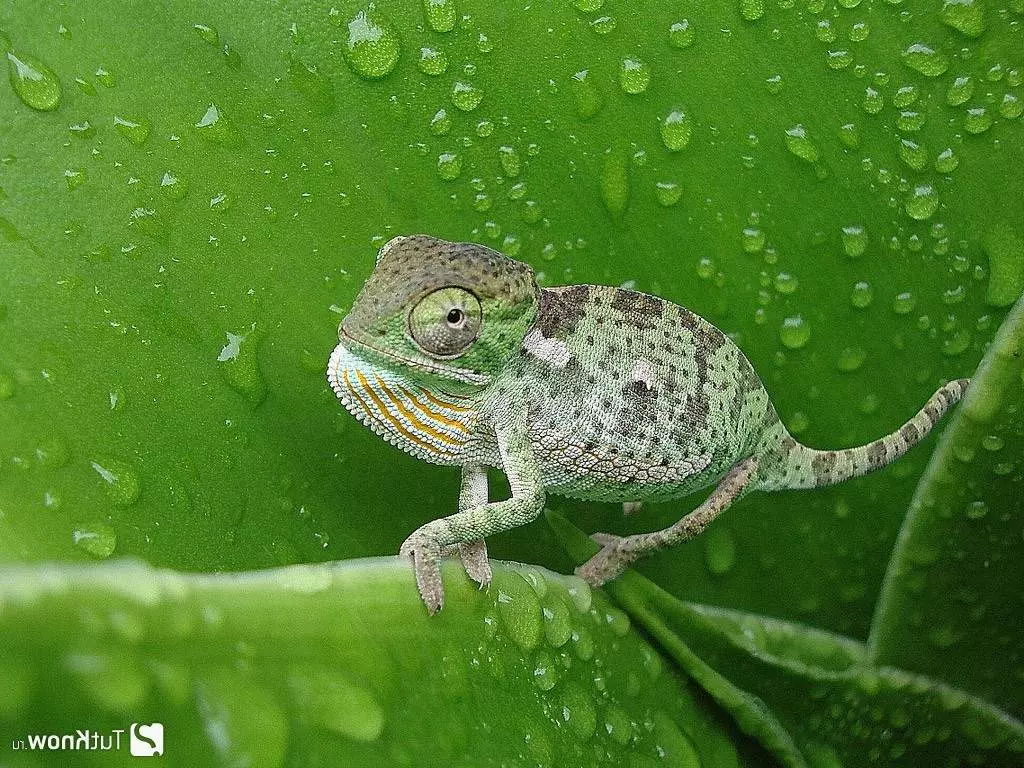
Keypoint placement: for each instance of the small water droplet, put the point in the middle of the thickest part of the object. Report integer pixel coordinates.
(433, 61)
(603, 25)
(978, 120)
(135, 130)
(239, 366)
(372, 47)
(795, 332)
(519, 609)
(849, 135)
(912, 153)
(466, 96)
(850, 359)
(339, 705)
(6, 386)
(752, 10)
(719, 551)
(440, 123)
(172, 186)
(859, 32)
(215, 127)
(315, 87)
(634, 76)
(680, 34)
(947, 161)
(905, 96)
(96, 538)
(207, 33)
(785, 283)
(615, 183)
(74, 178)
(106, 77)
(449, 165)
(83, 130)
(34, 82)
(545, 675)
(925, 59)
(441, 14)
(904, 303)
(960, 91)
(1011, 107)
(667, 193)
(873, 101)
(676, 130)
(120, 481)
(511, 165)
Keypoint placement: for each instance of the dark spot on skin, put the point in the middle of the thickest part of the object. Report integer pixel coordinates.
(932, 412)
(876, 454)
(560, 310)
(823, 464)
(910, 433)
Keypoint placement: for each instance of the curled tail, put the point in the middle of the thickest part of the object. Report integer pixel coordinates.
(797, 466)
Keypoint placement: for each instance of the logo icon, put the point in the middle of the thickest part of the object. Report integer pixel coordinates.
(146, 739)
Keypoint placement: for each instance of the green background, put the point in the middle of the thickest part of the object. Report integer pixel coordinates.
(191, 197)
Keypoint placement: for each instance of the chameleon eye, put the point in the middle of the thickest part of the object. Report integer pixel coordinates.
(445, 323)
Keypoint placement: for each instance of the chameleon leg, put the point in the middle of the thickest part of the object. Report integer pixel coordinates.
(474, 553)
(617, 552)
(471, 525)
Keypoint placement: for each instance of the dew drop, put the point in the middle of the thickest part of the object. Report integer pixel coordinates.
(587, 96)
(913, 154)
(849, 135)
(947, 161)
(511, 164)
(215, 127)
(634, 76)
(910, 120)
(74, 178)
(520, 610)
(433, 61)
(135, 130)
(925, 59)
(34, 82)
(603, 25)
(752, 10)
(800, 144)
(441, 14)
(372, 47)
(795, 332)
(855, 240)
(207, 33)
(960, 91)
(83, 130)
(978, 120)
(680, 34)
(330, 700)
(785, 283)
(676, 130)
(95, 538)
(922, 202)
(850, 359)
(578, 712)
(239, 366)
(315, 87)
(873, 101)
(440, 123)
(120, 481)
(243, 721)
(172, 186)
(965, 16)
(615, 183)
(719, 551)
(905, 96)
(667, 193)
(466, 96)
(904, 303)
(114, 681)
(587, 6)
(449, 165)
(6, 386)
(545, 675)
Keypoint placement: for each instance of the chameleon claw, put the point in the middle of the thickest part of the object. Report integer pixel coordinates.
(425, 555)
(474, 560)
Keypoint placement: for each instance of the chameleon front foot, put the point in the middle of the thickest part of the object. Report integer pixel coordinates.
(617, 552)
(425, 554)
(474, 560)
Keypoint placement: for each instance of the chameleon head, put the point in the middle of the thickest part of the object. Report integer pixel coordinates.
(441, 310)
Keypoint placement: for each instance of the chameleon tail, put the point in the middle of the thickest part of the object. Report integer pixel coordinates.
(803, 467)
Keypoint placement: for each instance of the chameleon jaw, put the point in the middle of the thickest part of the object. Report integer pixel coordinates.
(458, 374)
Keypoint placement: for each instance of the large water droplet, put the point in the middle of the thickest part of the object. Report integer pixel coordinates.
(135, 130)
(329, 700)
(214, 126)
(634, 76)
(959, 91)
(978, 120)
(676, 130)
(800, 144)
(243, 720)
(372, 48)
(34, 82)
(433, 61)
(668, 193)
(752, 10)
(965, 16)
(922, 202)
(615, 183)
(588, 97)
(449, 165)
(96, 538)
(520, 610)
(855, 240)
(925, 59)
(466, 96)
(441, 14)
(511, 165)
(912, 153)
(239, 366)
(795, 332)
(680, 34)
(719, 551)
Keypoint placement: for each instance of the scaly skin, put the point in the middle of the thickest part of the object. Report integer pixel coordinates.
(454, 354)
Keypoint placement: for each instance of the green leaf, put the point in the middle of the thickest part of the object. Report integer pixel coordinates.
(951, 602)
(340, 665)
(813, 698)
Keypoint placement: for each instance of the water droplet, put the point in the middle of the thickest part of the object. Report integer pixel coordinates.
(795, 332)
(676, 130)
(603, 25)
(578, 712)
(774, 84)
(335, 703)
(372, 47)
(433, 61)
(441, 14)
(466, 96)
(34, 82)
(904, 303)
(850, 359)
(859, 32)
(965, 16)
(74, 178)
(519, 609)
(557, 621)
(83, 130)
(315, 87)
(905, 96)
(511, 165)
(221, 202)
(136, 131)
(912, 153)
(824, 31)
(922, 202)
(800, 144)
(215, 127)
(615, 183)
(634, 76)
(947, 161)
(785, 283)
(978, 120)
(1011, 107)
(617, 725)
(440, 123)
(95, 538)
(120, 481)
(106, 77)
(862, 295)
(207, 33)
(752, 10)
(959, 91)
(667, 193)
(873, 101)
(545, 675)
(114, 681)
(925, 59)
(680, 34)
(839, 59)
(172, 186)
(719, 551)
(855, 240)
(588, 98)
(239, 366)
(449, 165)
(243, 721)
(6, 386)
(232, 57)
(849, 135)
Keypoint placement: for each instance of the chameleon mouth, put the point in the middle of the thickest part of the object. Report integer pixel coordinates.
(458, 374)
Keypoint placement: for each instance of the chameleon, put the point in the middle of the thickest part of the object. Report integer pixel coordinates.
(453, 353)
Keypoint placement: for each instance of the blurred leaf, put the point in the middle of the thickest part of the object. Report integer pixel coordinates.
(340, 665)
(951, 606)
(813, 698)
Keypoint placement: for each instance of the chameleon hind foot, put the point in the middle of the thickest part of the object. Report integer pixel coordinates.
(474, 561)
(617, 552)
(425, 554)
